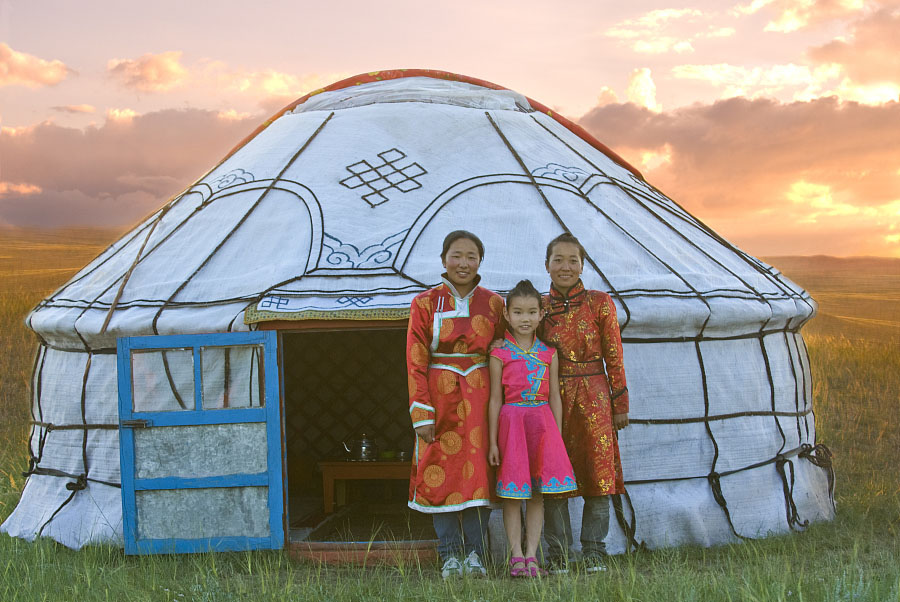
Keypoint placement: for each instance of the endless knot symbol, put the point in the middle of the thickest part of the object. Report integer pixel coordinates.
(276, 302)
(384, 176)
(355, 301)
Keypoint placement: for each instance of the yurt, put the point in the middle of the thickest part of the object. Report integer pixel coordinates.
(195, 385)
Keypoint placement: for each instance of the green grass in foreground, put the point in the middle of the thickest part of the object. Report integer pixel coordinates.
(855, 557)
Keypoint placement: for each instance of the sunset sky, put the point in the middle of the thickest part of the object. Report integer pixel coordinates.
(777, 122)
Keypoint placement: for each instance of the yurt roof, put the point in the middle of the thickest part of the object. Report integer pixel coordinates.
(335, 208)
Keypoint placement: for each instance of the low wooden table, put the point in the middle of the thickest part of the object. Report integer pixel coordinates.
(336, 473)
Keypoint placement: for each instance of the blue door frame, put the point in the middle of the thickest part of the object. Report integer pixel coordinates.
(270, 414)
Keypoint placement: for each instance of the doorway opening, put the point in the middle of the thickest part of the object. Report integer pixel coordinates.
(338, 386)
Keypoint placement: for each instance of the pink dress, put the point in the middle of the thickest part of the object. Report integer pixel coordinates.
(533, 455)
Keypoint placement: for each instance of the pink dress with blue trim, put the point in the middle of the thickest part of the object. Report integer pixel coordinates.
(533, 455)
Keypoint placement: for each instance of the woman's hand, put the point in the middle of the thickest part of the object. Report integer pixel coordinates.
(426, 432)
(620, 421)
(495, 344)
(494, 455)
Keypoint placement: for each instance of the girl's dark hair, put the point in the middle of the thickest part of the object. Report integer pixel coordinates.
(523, 289)
(458, 234)
(565, 237)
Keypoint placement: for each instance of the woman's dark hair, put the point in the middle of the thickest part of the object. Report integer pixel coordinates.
(458, 234)
(565, 237)
(523, 289)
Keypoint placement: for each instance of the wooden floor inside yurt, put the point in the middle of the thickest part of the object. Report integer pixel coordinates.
(340, 386)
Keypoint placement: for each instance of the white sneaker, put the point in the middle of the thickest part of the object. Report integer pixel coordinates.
(452, 568)
(472, 565)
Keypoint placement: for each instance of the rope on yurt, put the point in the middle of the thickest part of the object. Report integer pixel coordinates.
(694, 221)
(787, 345)
(628, 528)
(37, 375)
(172, 386)
(819, 455)
(805, 370)
(47, 301)
(554, 213)
(80, 480)
(713, 477)
(715, 417)
(790, 507)
(237, 226)
(112, 307)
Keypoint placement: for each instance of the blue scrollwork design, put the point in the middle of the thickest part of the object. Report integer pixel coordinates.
(343, 255)
(561, 172)
(233, 177)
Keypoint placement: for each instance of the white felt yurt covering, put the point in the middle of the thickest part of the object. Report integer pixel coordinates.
(336, 209)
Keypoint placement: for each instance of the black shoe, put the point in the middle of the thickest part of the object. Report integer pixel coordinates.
(593, 564)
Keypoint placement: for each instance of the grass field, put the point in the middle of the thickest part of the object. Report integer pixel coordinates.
(855, 356)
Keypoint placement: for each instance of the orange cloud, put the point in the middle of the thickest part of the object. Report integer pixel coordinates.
(149, 72)
(667, 30)
(74, 108)
(736, 80)
(19, 68)
(642, 90)
(267, 84)
(756, 167)
(792, 15)
(18, 188)
(121, 115)
(872, 53)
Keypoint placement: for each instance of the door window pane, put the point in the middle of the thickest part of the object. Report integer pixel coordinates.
(232, 376)
(162, 380)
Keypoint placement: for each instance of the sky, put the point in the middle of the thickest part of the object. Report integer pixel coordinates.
(776, 122)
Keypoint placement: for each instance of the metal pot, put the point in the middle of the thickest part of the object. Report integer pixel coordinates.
(363, 448)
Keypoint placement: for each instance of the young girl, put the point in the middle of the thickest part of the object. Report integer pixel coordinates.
(525, 422)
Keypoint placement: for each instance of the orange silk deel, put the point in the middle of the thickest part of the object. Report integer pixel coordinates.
(582, 325)
(449, 386)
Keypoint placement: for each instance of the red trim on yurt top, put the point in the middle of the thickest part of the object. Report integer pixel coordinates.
(376, 76)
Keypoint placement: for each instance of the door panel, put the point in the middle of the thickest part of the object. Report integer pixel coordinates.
(200, 442)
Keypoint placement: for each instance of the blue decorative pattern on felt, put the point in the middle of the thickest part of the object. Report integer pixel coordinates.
(566, 173)
(345, 255)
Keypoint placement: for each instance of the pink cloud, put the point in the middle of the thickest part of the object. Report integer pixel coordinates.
(111, 174)
(22, 69)
(149, 72)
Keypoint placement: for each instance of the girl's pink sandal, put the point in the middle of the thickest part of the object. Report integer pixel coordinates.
(518, 571)
(536, 570)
